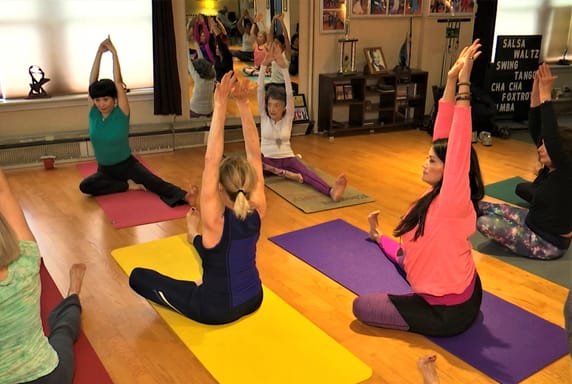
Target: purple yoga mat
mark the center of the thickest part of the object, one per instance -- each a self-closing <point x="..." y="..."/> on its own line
<point x="506" y="342"/>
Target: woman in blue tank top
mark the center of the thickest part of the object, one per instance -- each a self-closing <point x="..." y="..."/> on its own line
<point x="232" y="204"/>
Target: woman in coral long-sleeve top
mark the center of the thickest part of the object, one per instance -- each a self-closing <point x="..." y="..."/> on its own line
<point x="435" y="255"/>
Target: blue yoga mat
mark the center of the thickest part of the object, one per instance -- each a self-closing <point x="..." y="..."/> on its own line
<point x="506" y="342"/>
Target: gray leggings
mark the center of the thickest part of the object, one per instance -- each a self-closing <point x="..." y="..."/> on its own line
<point x="64" y="326"/>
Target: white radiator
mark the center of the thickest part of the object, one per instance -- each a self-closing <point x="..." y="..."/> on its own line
<point x="25" y="155"/>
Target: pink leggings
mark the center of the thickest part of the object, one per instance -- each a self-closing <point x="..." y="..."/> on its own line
<point x="293" y="164"/>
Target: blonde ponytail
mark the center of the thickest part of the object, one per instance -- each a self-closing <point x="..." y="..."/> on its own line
<point x="238" y="178"/>
<point x="241" y="205"/>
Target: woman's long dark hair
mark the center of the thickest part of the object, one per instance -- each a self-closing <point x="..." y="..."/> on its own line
<point x="418" y="213"/>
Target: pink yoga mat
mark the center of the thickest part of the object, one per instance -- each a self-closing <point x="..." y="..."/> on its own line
<point x="131" y="208"/>
<point x="88" y="367"/>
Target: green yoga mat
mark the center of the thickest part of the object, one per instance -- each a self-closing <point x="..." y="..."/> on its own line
<point x="308" y="199"/>
<point x="558" y="271"/>
<point x="504" y="190"/>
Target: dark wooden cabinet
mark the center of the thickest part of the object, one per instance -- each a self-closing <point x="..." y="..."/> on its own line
<point x="368" y="102"/>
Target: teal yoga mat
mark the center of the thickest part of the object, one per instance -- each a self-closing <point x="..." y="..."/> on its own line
<point x="504" y="190"/>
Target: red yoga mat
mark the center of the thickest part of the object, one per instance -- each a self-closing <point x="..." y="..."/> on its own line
<point x="88" y="367"/>
<point x="131" y="208"/>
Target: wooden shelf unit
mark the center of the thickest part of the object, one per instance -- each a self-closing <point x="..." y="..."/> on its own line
<point x="368" y="102"/>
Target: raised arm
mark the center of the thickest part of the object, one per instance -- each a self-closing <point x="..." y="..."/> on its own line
<point x="251" y="144"/>
<point x="455" y="190"/>
<point x="199" y="25"/>
<point x="261" y="89"/>
<point x="445" y="113"/>
<point x="253" y="33"/>
<point x="287" y="47"/>
<point x="216" y="27"/>
<point x="212" y="206"/>
<point x="287" y="82"/>
<point x="122" y="100"/>
<point x="271" y="30"/>
<point x="240" y="24"/>
<point x="12" y="211"/>
<point x="534" y="123"/>
<point x="94" y="73"/>
<point x="549" y="124"/>
<point x="260" y="26"/>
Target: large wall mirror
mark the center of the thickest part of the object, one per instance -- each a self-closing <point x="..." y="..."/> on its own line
<point x="232" y="10"/>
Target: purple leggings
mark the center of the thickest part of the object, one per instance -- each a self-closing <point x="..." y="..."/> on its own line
<point x="293" y="164"/>
<point x="506" y="225"/>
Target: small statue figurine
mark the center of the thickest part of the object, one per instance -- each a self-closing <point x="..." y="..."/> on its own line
<point x="38" y="80"/>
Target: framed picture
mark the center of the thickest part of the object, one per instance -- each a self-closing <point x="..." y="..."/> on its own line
<point x="365" y="8"/>
<point x="299" y="100"/>
<point x="348" y="92"/>
<point x="333" y="16"/>
<point x="300" y="109"/>
<point x="340" y="92"/>
<point x="452" y="8"/>
<point x="375" y="60"/>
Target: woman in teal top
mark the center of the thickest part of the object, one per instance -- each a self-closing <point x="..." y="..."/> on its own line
<point x="117" y="169"/>
<point x="26" y="355"/>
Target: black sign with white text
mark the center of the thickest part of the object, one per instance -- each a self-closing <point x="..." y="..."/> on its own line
<point x="516" y="59"/>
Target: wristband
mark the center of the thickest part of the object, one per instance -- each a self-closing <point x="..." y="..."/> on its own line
<point x="461" y="97"/>
<point x="464" y="83"/>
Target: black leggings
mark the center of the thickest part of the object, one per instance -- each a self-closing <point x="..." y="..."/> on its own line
<point x="113" y="179"/>
<point x="189" y="299"/>
<point x="439" y="320"/>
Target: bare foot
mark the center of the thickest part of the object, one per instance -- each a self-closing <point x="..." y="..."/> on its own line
<point x="294" y="176"/>
<point x="133" y="186"/>
<point x="337" y="191"/>
<point x="192" y="196"/>
<point x="76" y="278"/>
<point x="426" y="366"/>
<point x="374" y="233"/>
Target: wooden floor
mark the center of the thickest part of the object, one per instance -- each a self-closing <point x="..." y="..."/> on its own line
<point x="136" y="346"/>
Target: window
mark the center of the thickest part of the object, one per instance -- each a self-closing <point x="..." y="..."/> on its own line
<point x="62" y="36"/>
<point x="550" y="18"/>
<point x="559" y="34"/>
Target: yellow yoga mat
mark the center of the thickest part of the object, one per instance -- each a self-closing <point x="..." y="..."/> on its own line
<point x="275" y="344"/>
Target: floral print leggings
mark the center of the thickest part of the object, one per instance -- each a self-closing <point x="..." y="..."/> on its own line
<point x="506" y="225"/>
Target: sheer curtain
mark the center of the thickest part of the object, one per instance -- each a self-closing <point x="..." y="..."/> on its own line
<point x="62" y="37"/>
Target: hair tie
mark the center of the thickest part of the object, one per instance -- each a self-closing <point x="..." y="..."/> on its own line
<point x="240" y="190"/>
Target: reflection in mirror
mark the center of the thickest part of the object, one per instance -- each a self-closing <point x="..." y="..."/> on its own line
<point x="235" y="19"/>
